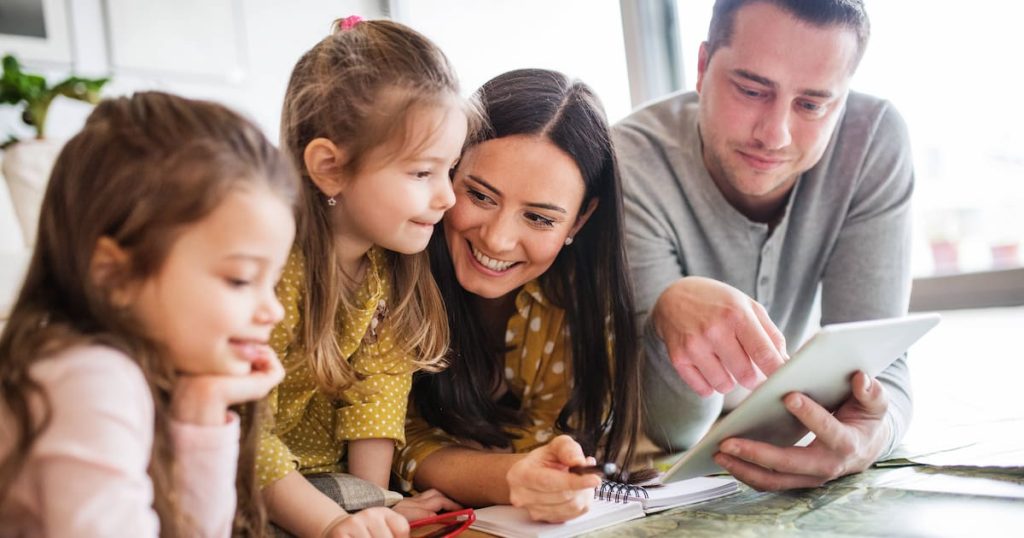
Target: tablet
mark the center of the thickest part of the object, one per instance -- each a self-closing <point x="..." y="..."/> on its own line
<point x="821" y="369"/>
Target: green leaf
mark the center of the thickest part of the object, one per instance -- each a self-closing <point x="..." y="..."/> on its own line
<point x="35" y="96"/>
<point x="11" y="65"/>
<point x="83" y="89"/>
<point x="8" y="94"/>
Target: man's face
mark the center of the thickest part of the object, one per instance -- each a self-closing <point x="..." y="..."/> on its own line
<point x="769" y="102"/>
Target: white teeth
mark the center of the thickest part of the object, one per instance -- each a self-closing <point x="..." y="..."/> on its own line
<point x="490" y="263"/>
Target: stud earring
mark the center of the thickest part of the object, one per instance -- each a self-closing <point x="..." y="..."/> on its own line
<point x="568" y="240"/>
<point x="331" y="201"/>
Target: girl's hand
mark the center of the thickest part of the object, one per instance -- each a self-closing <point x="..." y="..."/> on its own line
<point x="371" y="522"/>
<point x="541" y="482"/>
<point x="204" y="399"/>
<point x="426" y="504"/>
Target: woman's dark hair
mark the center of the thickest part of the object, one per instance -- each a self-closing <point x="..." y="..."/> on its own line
<point x="589" y="280"/>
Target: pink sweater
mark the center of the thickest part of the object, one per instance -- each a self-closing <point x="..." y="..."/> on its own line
<point x="87" y="475"/>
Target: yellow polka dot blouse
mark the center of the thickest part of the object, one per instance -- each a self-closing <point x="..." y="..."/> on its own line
<point x="309" y="429"/>
<point x="537" y="369"/>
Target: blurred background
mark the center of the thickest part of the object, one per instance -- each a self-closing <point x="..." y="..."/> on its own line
<point x="947" y="66"/>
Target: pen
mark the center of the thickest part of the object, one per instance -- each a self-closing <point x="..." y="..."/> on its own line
<point x="607" y="469"/>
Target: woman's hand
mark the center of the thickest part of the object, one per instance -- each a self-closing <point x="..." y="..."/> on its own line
<point x="541" y="482"/>
<point x="204" y="399"/>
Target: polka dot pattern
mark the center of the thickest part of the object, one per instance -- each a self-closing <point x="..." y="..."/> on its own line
<point x="537" y="369"/>
<point x="309" y="430"/>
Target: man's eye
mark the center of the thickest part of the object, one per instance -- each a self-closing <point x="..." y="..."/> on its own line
<point x="749" y="92"/>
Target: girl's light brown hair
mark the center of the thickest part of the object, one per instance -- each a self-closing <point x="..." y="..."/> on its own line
<point x="141" y="170"/>
<point x="357" y="88"/>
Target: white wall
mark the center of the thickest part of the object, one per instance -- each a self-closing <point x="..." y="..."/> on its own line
<point x="484" y="38"/>
<point x="271" y="35"/>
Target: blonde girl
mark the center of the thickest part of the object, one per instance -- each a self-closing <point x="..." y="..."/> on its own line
<point x="143" y="319"/>
<point x="374" y="122"/>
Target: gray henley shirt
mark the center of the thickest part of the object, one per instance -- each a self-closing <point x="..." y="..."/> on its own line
<point x="845" y="235"/>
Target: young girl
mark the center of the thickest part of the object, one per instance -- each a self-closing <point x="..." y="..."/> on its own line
<point x="373" y="119"/>
<point x="145" y="315"/>
<point x="533" y="270"/>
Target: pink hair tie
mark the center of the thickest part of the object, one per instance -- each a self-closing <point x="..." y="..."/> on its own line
<point x="349" y="22"/>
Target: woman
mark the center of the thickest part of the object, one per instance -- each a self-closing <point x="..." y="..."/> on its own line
<point x="533" y="271"/>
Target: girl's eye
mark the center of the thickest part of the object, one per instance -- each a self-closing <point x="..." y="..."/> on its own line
<point x="422" y="174"/>
<point x="539" y="221"/>
<point x="237" y="282"/>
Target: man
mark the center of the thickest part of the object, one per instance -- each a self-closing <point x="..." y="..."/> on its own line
<point x="770" y="187"/>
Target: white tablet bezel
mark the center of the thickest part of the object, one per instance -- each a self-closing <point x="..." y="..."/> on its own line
<point x="821" y="369"/>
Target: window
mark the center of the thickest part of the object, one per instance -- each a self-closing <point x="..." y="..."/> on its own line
<point x="484" y="38"/>
<point x="952" y="78"/>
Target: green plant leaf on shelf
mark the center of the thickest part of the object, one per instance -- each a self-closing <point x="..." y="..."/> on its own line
<point x="32" y="93"/>
<point x="83" y="89"/>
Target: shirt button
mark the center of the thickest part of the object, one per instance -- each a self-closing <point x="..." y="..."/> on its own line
<point x="765" y="280"/>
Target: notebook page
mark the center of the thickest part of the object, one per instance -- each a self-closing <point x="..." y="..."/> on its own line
<point x="685" y="492"/>
<point x="512" y="522"/>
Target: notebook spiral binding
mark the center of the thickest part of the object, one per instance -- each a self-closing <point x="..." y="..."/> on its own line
<point x="619" y="492"/>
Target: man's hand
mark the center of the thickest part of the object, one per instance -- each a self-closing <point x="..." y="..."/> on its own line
<point x="846" y="443"/>
<point x="541" y="482"/>
<point x="716" y="335"/>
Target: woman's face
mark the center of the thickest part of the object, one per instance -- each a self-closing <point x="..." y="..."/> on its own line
<point x="517" y="199"/>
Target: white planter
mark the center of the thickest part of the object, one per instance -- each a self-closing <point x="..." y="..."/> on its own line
<point x="13" y="266"/>
<point x="11" y="237"/>
<point x="27" y="166"/>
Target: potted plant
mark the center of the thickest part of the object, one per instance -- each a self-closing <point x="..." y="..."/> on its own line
<point x="31" y="91"/>
<point x="27" y="163"/>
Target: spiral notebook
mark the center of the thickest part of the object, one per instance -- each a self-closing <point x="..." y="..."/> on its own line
<point x="672" y="495"/>
<point x="617" y="503"/>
